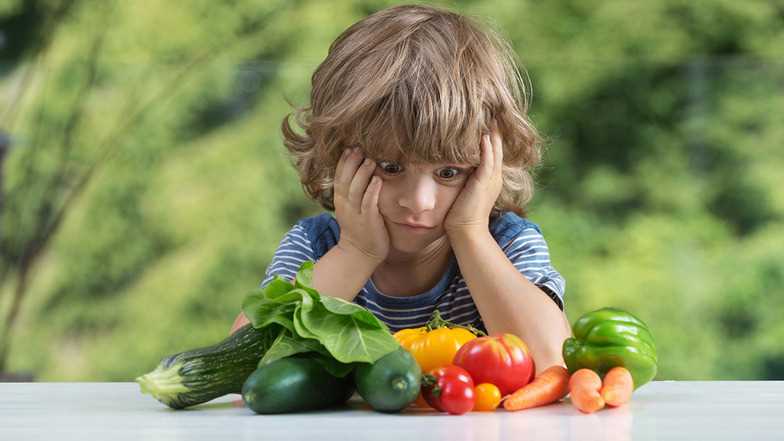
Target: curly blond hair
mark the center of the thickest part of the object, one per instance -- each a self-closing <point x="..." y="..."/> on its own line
<point x="419" y="83"/>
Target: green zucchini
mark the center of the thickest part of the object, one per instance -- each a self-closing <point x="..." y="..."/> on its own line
<point x="295" y="384"/>
<point x="200" y="375"/>
<point x="391" y="383"/>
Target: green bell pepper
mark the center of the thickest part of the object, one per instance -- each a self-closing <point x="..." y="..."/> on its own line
<point x="610" y="337"/>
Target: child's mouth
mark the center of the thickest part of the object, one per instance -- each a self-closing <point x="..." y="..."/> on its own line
<point x="414" y="229"/>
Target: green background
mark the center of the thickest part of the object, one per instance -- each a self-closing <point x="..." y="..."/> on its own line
<point x="146" y="186"/>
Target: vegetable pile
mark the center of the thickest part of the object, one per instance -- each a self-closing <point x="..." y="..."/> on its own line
<point x="610" y="337"/>
<point x="464" y="369"/>
<point x="304" y="351"/>
<point x="611" y="354"/>
<point x="301" y="351"/>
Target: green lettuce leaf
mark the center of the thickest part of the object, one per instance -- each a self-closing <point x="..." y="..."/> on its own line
<point x="287" y="344"/>
<point x="342" y="307"/>
<point x="347" y="338"/>
<point x="262" y="314"/>
<point x="342" y="332"/>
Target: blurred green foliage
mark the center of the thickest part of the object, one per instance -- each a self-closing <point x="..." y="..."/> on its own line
<point x="154" y="128"/>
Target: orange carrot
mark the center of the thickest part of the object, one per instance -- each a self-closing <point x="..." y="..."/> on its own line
<point x="618" y="386"/>
<point x="584" y="388"/>
<point x="550" y="386"/>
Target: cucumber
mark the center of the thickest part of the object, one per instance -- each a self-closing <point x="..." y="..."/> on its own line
<point x="391" y="383"/>
<point x="294" y="384"/>
<point x="200" y="375"/>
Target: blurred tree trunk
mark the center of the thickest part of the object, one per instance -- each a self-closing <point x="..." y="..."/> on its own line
<point x="52" y="206"/>
<point x="5" y="145"/>
<point x="65" y="182"/>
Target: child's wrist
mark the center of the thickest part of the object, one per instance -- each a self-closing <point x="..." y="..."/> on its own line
<point x="359" y="256"/>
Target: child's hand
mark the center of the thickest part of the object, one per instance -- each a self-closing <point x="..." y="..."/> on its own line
<point x="356" y="207"/>
<point x="471" y="210"/>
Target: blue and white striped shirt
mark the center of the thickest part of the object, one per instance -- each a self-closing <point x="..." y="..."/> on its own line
<point x="521" y="240"/>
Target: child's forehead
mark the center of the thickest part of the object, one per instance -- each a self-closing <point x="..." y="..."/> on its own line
<point x="414" y="157"/>
<point x="389" y="154"/>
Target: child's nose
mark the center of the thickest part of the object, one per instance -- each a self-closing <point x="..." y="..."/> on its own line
<point x="420" y="195"/>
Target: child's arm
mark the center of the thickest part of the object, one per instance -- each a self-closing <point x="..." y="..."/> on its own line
<point x="507" y="301"/>
<point x="239" y="322"/>
<point x="342" y="272"/>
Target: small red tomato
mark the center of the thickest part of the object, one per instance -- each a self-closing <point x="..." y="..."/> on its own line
<point x="503" y="360"/>
<point x="449" y="389"/>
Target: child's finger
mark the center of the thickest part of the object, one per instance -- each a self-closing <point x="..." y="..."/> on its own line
<point x="490" y="160"/>
<point x="483" y="171"/>
<point x="348" y="171"/>
<point x="341" y="182"/>
<point x="356" y="190"/>
<point x="370" y="200"/>
<point x="498" y="150"/>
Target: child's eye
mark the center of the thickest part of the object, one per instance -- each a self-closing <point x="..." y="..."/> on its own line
<point x="389" y="168"/>
<point x="452" y="172"/>
<point x="446" y="173"/>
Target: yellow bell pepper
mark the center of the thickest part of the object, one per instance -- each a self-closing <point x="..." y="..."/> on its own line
<point x="436" y="344"/>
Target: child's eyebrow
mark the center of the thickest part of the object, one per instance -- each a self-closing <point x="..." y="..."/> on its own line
<point x="462" y="166"/>
<point x="391" y="158"/>
<point x="398" y="158"/>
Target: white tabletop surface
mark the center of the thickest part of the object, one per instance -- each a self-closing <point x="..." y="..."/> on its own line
<point x="661" y="410"/>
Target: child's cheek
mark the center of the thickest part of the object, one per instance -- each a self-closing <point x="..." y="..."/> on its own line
<point x="385" y="198"/>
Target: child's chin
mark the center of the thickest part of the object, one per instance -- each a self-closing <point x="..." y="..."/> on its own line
<point x="404" y="246"/>
<point x="410" y="243"/>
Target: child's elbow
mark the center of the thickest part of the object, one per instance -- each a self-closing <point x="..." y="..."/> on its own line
<point x="239" y="322"/>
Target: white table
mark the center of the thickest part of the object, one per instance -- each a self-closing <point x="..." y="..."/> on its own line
<point x="661" y="410"/>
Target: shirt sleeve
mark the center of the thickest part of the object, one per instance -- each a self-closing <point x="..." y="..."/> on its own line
<point x="528" y="252"/>
<point x="294" y="249"/>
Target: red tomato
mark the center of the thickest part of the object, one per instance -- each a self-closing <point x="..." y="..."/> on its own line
<point x="449" y="389"/>
<point x="503" y="360"/>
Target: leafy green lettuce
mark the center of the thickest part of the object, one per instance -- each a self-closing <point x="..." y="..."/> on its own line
<point x="341" y="333"/>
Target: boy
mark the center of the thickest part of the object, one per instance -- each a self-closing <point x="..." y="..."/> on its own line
<point x="417" y="136"/>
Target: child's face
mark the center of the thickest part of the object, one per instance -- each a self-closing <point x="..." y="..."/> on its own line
<point x="419" y="194"/>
